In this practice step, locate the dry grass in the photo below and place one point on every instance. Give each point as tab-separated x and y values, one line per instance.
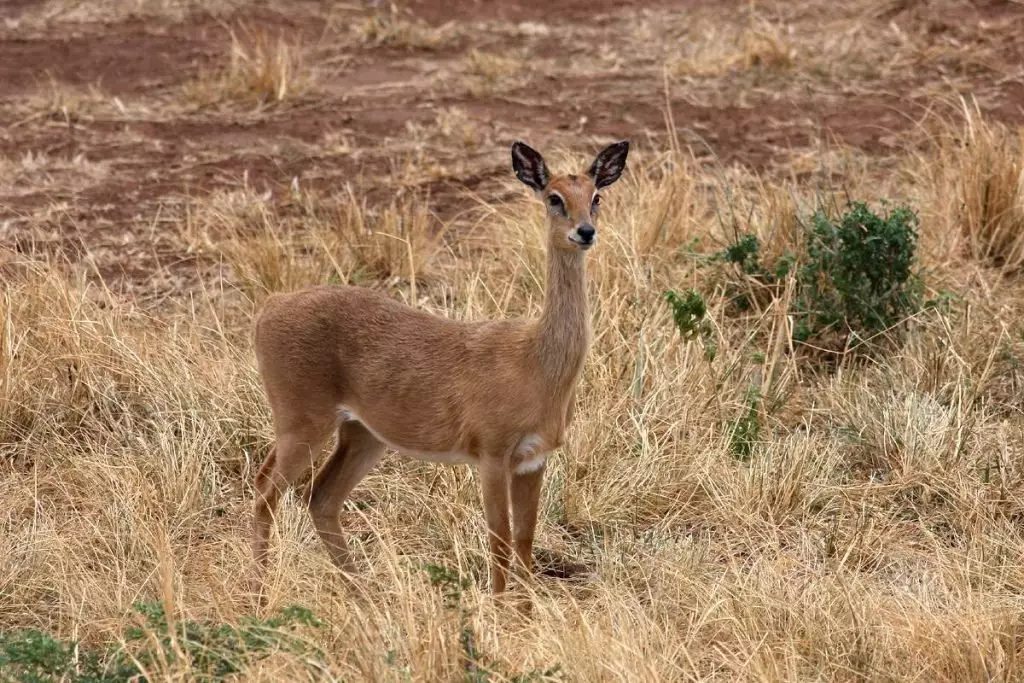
873	532
486	73
716	50
62	11
311	239
35	170
978	186
388	26
257	69
775	46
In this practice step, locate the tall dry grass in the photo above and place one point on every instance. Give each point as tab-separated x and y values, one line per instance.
873	533
256	69
977	185
315	239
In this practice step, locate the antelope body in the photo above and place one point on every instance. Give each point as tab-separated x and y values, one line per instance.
497	394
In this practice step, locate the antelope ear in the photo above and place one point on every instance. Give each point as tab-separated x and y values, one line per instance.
529	166
609	164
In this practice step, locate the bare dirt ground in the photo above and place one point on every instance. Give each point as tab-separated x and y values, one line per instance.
114	113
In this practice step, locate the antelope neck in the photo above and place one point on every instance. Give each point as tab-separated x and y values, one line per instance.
564	324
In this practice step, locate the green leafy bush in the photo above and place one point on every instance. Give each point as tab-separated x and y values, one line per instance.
855	277
34	657
853	281
858	278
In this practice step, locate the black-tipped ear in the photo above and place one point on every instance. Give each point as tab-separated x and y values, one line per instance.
529	166
609	164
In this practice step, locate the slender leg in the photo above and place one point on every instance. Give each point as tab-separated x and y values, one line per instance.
357	452
264	507
525	501
289	459
494	480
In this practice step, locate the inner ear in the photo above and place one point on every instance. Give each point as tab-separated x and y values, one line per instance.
609	164
529	166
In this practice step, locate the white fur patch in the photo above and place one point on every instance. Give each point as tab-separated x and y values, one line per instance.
529	450
528	465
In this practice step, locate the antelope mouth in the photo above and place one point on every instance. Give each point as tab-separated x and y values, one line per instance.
580	243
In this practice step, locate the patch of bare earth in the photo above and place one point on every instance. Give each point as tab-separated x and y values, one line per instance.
383	81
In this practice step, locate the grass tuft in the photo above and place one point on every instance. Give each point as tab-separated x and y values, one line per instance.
257	70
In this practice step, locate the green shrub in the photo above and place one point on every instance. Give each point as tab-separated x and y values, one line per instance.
855	278
34	657
745	430
858	278
217	650
854	281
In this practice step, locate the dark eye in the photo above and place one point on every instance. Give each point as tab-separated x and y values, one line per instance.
596	204
555	202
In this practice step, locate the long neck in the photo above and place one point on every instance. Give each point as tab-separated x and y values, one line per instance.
565	322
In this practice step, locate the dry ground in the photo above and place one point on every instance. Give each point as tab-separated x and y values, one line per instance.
166	163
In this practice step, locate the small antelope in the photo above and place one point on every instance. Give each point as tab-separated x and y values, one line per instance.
497	394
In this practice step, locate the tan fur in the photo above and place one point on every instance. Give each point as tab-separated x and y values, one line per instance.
497	392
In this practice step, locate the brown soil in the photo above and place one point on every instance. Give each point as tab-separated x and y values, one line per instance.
584	11
99	60
115	95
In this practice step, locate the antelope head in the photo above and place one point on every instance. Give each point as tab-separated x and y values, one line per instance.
573	201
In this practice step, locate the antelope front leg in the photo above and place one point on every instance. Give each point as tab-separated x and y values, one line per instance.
494	481
525	501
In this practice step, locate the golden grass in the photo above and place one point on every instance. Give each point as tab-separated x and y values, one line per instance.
486	73
983	163
62	11
716	50
315	239
778	46
257	69
874	532
389	26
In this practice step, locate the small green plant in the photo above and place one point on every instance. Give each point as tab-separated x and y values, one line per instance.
217	650
31	656
451	583
745	430
688	312
213	651
745	254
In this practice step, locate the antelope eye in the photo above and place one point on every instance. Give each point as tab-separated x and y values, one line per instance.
555	202
594	205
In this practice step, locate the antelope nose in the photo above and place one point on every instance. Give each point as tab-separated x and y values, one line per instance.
586	233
